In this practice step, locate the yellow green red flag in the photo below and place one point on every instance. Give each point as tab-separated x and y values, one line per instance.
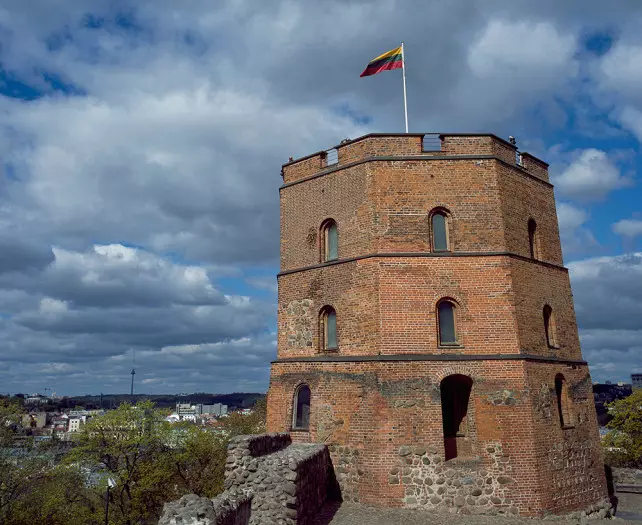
393	59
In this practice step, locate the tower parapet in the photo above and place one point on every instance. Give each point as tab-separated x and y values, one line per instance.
379	146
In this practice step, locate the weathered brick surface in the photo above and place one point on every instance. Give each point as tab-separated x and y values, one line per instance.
376	400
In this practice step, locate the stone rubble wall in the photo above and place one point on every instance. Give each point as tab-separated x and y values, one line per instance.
268	480
289	485
194	510
458	486
627	476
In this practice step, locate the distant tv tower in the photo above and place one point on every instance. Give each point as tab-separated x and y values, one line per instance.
131	394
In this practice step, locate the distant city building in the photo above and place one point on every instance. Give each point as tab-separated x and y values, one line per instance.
36	399
636	380
605	393
217	409
61	423
75	422
189	412
86	413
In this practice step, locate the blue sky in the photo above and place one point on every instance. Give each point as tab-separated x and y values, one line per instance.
141	145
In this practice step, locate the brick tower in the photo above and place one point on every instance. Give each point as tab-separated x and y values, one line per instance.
426	328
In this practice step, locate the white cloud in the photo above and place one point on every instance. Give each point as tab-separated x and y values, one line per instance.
608	301
50	306
512	65
570	217
628	227
576	238
536	52
619	77
590	176
621	71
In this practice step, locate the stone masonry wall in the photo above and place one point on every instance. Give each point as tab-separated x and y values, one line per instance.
267	480
627	476
289	486
193	510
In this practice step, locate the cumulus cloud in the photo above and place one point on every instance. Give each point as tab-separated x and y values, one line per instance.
576	238
139	185
608	303
628	227
591	176
608	291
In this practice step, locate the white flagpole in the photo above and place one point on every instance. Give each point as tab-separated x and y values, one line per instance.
403	68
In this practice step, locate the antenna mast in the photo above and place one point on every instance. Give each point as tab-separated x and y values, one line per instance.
131	394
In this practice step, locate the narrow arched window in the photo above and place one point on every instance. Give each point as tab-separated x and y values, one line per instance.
563	401
328	328
455	398
329	241
439	227
550	327
446	322
533	239
301	408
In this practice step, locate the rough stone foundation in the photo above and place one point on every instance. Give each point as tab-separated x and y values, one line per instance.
461	486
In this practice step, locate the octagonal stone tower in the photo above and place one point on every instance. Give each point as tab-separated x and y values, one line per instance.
426	328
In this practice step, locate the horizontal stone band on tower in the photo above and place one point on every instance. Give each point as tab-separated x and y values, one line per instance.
422	254
429	357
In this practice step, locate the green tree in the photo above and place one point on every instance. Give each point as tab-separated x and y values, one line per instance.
133	446
623	445
240	424
56	496
200	461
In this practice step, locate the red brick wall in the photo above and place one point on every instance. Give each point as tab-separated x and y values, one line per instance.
388	306
350	288
570	463
536	285
342	196
523	198
378	408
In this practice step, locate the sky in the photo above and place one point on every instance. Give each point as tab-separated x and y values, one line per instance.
140	152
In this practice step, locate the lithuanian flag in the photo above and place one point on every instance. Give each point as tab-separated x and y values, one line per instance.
390	60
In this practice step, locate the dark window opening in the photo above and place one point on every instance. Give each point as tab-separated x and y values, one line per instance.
328	328
329	241
550	327
455	398
447	329
439	232
563	401
533	239
301	416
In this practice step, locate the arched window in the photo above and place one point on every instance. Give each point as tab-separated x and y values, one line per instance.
328	328
533	239
447	323
455	398
329	241
301	408
439	229
550	327
563	401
